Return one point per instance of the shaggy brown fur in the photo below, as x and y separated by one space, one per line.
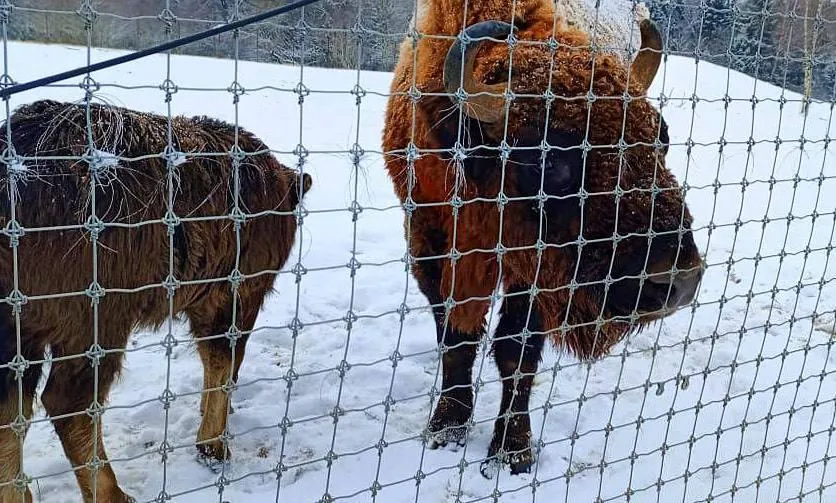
57 193
598 318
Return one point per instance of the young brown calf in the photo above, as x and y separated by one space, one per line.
122 285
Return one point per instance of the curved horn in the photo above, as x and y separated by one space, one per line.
460 61
646 64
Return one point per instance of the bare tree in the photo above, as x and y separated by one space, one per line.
810 38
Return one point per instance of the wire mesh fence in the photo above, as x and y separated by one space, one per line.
548 205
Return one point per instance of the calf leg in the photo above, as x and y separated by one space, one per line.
17 392
517 353
240 349
67 398
222 356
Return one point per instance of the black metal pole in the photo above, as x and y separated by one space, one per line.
173 44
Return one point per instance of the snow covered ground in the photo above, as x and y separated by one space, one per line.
748 372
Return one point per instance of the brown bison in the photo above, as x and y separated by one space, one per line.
552 186
116 201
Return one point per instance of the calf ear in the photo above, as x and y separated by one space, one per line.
293 189
306 183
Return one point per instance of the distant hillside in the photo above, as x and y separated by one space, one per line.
319 35
366 33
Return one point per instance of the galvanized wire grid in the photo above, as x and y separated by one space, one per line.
169 22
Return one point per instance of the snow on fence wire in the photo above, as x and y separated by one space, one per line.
729 399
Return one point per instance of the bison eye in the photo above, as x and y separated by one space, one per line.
559 172
562 171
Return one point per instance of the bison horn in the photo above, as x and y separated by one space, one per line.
646 64
483 105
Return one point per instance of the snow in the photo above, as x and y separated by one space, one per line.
177 158
101 159
749 367
18 168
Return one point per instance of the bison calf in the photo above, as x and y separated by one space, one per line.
562 198
121 207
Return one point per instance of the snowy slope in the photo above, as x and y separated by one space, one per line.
677 376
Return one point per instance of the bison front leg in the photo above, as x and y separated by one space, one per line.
455 405
517 346
459 336
472 278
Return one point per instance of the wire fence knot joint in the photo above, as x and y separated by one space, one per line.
16 299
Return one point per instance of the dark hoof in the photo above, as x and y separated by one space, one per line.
518 463
213 464
213 455
448 435
490 468
510 446
522 462
449 422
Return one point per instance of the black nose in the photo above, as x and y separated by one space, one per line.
682 287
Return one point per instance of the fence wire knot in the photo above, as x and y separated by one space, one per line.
168 18
87 13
